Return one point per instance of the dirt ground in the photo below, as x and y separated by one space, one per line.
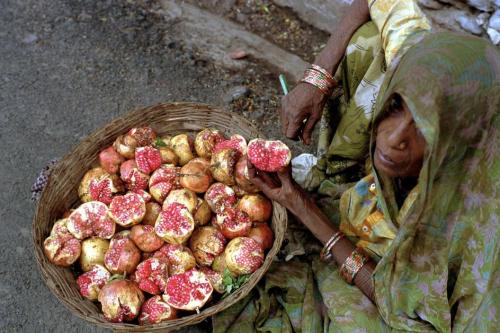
66 69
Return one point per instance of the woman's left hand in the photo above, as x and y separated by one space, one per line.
280 187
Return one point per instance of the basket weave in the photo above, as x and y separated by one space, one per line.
61 194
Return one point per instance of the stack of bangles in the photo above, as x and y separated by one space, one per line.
320 78
353 263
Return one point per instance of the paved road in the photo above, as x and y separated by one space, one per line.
66 69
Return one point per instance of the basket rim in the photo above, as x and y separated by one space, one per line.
185 320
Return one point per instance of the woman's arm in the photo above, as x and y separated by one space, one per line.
284 190
306 101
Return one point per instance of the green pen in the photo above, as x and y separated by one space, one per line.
284 85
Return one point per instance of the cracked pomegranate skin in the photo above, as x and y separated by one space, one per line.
243 255
155 311
206 243
151 275
233 223
188 291
145 238
179 257
206 140
222 165
148 159
91 282
91 219
121 301
269 156
219 196
122 255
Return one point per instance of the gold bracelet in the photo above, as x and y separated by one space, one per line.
320 78
326 252
352 265
325 73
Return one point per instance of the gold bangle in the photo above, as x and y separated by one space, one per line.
325 73
352 265
326 252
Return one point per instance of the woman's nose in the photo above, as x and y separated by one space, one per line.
398 138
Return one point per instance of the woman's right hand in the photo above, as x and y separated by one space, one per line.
304 103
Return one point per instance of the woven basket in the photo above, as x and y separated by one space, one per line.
60 194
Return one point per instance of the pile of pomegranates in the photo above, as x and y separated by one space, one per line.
163 221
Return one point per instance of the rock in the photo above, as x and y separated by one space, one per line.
482 20
483 5
236 93
82 17
497 3
431 4
240 17
494 35
238 54
30 39
469 24
495 21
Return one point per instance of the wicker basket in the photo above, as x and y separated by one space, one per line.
60 194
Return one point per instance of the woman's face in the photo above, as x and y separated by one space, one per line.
399 147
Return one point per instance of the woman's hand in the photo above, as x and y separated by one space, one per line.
304 103
280 187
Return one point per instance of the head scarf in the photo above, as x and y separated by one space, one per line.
441 270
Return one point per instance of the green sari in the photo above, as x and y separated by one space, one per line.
438 253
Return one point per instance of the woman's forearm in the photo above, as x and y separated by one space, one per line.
330 57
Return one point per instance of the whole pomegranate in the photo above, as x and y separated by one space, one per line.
202 213
206 140
179 258
196 176
145 238
182 145
256 206
206 243
110 160
93 251
168 156
263 234
241 176
121 300
222 165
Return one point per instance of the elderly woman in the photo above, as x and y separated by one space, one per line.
415 244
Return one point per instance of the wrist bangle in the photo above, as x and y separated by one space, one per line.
326 252
325 73
352 265
320 78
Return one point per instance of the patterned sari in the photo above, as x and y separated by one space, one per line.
438 255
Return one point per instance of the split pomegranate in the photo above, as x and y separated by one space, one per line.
256 206
93 252
145 238
110 160
236 142
153 209
270 156
219 196
151 275
125 146
122 255
62 249
133 177
184 197
206 140
91 219
168 156
222 165
241 176
144 195
188 291
121 300
202 213
179 258
155 311
243 255
175 224
233 223
98 185
127 210
148 159
215 279
91 282
263 234
142 136
196 176
182 146
206 243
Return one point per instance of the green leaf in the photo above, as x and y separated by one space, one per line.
159 143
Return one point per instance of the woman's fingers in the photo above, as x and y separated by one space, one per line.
309 127
285 175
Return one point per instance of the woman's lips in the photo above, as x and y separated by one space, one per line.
388 161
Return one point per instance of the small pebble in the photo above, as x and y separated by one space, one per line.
469 24
238 54
30 39
494 35
495 21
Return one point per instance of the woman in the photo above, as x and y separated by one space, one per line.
427 214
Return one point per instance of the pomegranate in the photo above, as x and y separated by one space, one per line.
179 258
91 219
195 175
91 282
122 256
153 209
206 140
134 179
145 238
60 227
167 173
168 156
233 223
142 136
125 147
121 300
160 191
98 185
236 142
206 243
182 146
222 165
215 279
175 224
110 160
93 251
184 196
148 159
270 156
155 311
263 234
188 291
202 213
219 264
243 255
241 176
219 196
144 195
257 207
62 249
151 275
127 210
